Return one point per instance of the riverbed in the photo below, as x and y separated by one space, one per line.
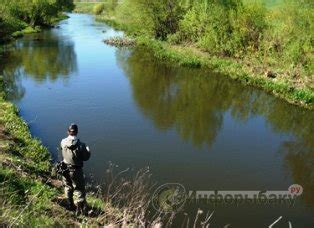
189 126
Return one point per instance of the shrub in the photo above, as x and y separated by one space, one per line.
224 27
131 16
158 18
248 26
193 24
98 8
290 36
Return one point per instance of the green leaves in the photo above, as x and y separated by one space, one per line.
17 15
158 18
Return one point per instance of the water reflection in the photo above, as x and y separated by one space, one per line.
195 104
195 108
299 160
298 152
42 57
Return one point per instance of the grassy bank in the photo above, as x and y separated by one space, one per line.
36 29
290 79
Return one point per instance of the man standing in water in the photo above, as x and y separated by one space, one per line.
74 153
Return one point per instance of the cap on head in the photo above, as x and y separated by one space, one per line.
73 129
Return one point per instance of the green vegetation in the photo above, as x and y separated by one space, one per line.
106 6
98 8
22 16
268 44
82 7
23 160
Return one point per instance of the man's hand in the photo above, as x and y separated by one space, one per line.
87 148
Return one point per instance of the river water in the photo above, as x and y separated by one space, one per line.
189 126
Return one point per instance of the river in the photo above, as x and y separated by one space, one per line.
189 126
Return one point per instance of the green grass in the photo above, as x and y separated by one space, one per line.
27 30
22 191
37 29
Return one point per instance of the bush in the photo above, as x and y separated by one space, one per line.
129 15
158 18
290 36
98 8
224 27
248 26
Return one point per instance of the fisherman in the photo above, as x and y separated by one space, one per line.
74 153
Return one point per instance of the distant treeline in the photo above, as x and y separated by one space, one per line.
20 14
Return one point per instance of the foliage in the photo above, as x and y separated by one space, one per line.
290 38
158 18
226 28
84 7
17 15
229 27
106 6
98 8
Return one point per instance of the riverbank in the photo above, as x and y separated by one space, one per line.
244 71
29 194
281 81
37 29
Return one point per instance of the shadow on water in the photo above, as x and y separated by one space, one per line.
194 103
